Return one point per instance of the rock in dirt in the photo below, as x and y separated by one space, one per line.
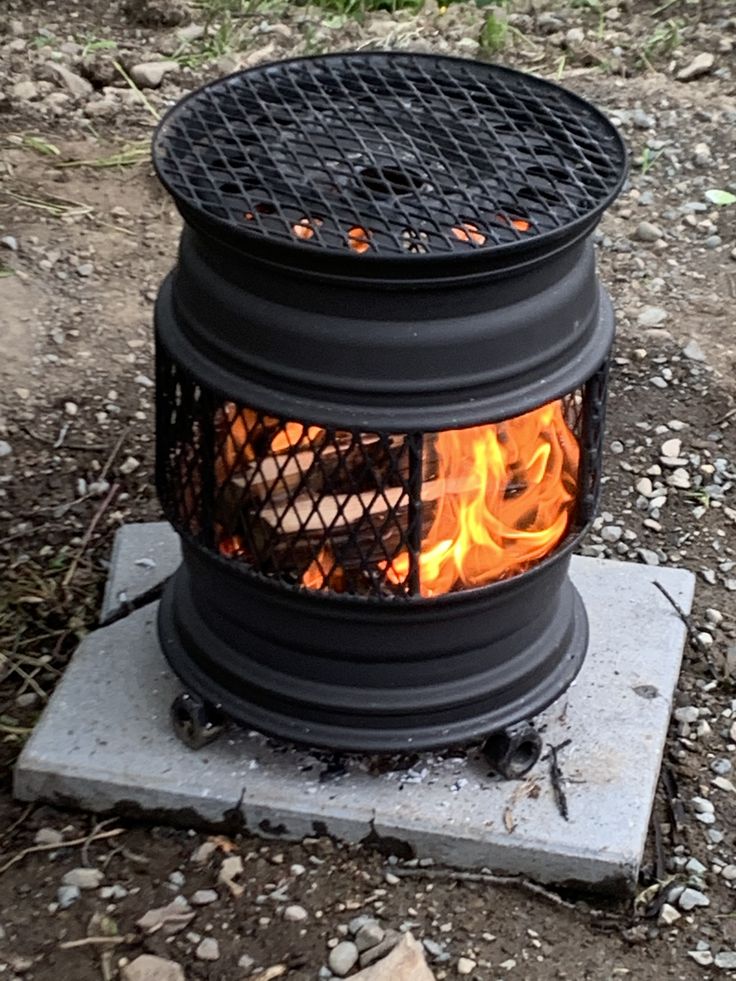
203 897
700 65
169 919
689 899
651 317
79 87
343 958
726 960
369 935
648 232
150 74
465 966
48 836
208 950
66 895
26 91
693 351
373 954
150 968
295 914
83 878
405 963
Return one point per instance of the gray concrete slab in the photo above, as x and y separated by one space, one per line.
104 743
143 556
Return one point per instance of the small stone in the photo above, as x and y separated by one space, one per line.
668 915
405 962
192 32
702 957
695 867
713 241
617 447
85 269
373 954
129 465
358 922
690 898
343 958
203 853
84 878
48 836
297 869
369 935
648 232
723 783
721 766
651 317
680 479
700 65
116 891
9 242
642 120
66 895
79 87
150 74
693 351
203 897
729 873
246 962
71 408
391 879
702 805
465 965
671 448
611 533
645 487
701 154
5 448
726 960
25 91
150 968
208 950
177 879
706 818
295 914
648 556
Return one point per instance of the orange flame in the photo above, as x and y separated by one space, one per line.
504 501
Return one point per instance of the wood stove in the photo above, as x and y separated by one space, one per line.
381 383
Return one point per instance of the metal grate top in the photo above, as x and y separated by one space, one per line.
389 155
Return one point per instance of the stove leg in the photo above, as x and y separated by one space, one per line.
196 723
513 752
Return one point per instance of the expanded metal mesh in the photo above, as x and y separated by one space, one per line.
330 510
390 155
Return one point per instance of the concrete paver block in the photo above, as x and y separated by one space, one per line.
104 743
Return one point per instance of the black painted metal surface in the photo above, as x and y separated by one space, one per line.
466 297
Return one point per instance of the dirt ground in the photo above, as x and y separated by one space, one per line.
85 246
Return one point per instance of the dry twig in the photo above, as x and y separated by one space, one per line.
488 878
692 631
107 941
72 843
88 534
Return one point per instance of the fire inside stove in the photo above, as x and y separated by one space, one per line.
419 514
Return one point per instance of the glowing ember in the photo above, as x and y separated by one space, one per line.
509 489
468 232
304 228
359 239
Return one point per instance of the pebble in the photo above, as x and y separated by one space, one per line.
85 269
648 556
9 242
680 479
208 950
203 897
373 954
343 958
48 836
246 962
669 915
5 448
369 935
729 873
713 241
25 91
611 533
358 922
465 965
701 155
642 120
726 960
695 867
391 879
700 65
648 232
129 465
84 878
204 852
295 914
115 891
691 898
702 805
651 317
66 895
721 766
147 967
702 957
150 74
671 448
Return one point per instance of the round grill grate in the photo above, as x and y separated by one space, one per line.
389 155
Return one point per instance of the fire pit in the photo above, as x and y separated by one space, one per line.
381 379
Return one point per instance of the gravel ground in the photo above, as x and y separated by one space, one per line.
86 235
